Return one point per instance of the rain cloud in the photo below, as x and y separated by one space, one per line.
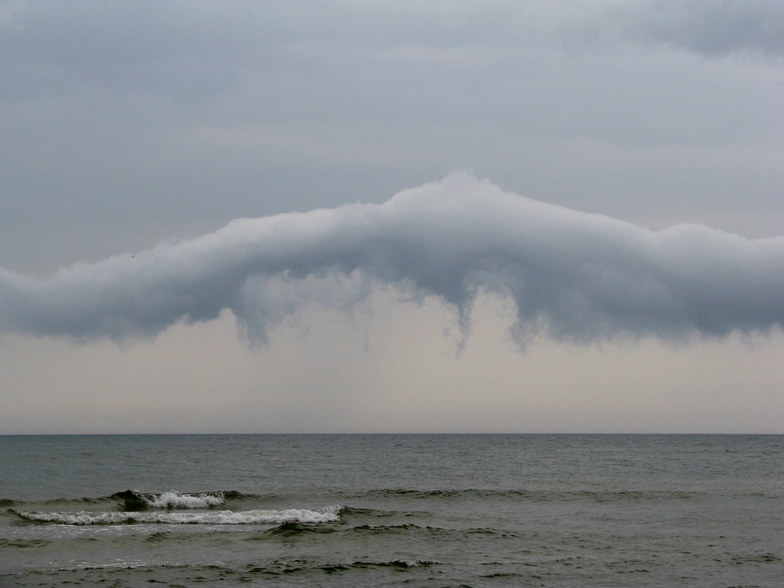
572 276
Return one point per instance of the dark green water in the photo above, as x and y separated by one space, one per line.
391 510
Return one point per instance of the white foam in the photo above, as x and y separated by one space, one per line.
223 517
173 499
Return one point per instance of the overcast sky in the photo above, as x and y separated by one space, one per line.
496 216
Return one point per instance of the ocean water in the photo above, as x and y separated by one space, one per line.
392 510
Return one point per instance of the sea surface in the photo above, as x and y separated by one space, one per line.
392 510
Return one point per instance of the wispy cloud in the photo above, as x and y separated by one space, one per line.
712 27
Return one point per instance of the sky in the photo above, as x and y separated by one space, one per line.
418 217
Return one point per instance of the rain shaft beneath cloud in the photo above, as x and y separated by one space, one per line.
571 275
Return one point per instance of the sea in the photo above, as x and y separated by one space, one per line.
392 510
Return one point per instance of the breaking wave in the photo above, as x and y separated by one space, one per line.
223 517
134 500
173 499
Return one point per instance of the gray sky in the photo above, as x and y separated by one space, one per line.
534 217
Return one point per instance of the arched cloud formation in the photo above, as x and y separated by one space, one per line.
571 275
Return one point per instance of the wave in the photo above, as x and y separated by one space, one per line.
223 517
280 568
535 495
395 563
134 500
23 543
173 499
294 528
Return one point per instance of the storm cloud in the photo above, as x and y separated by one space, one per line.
571 275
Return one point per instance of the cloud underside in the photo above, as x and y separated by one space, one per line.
571 276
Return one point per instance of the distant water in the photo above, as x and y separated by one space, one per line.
392 510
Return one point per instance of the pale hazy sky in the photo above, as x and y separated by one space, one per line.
496 216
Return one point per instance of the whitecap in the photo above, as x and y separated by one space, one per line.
174 499
223 517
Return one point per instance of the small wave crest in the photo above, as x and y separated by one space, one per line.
134 501
294 528
223 517
173 499
287 568
548 495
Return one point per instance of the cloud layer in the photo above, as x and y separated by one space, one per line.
574 276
